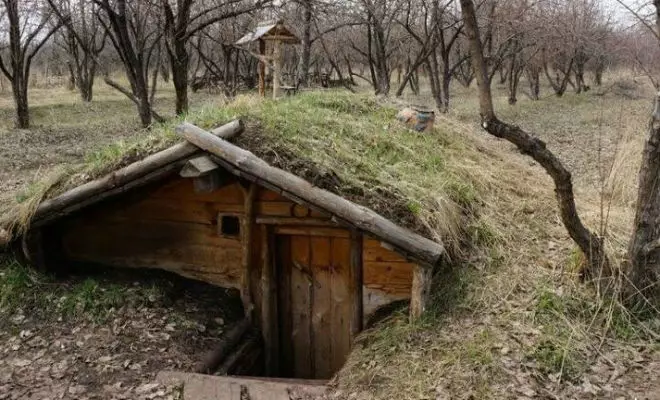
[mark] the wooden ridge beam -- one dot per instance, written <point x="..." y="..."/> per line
<point x="299" y="190"/>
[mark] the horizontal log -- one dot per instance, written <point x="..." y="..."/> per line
<point x="294" y="187"/>
<point x="132" y="172"/>
<point x="232" y="362"/>
<point x="218" y="355"/>
<point x="294" y="221"/>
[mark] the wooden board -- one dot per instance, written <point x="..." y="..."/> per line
<point x="341" y="301"/>
<point x="322" y="306"/>
<point x="317" y="314"/>
<point x="375" y="252"/>
<point x="301" y="304"/>
<point x="193" y="250"/>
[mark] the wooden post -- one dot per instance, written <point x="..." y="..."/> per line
<point x="269" y="312"/>
<point x="247" y="225"/>
<point x="262" y="69"/>
<point x="421" y="289"/>
<point x="356" y="283"/>
<point x="277" y="65"/>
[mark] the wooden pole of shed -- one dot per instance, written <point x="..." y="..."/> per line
<point x="421" y="290"/>
<point x="262" y="69"/>
<point x="356" y="283"/>
<point x="269" y="311"/>
<point x="247" y="226"/>
<point x="277" y="66"/>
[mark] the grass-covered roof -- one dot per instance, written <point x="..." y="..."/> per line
<point x="349" y="144"/>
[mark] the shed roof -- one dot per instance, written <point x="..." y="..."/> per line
<point x="246" y="165"/>
<point x="266" y="31"/>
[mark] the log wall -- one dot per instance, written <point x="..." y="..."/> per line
<point x="174" y="228"/>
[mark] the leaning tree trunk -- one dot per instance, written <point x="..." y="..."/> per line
<point x="644" y="250"/>
<point x="590" y="244"/>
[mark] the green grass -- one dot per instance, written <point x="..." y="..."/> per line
<point x="349" y="144"/>
<point x="24" y="289"/>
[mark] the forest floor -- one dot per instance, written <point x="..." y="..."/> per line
<point x="511" y="322"/>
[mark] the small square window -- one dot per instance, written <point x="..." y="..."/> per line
<point x="230" y="225"/>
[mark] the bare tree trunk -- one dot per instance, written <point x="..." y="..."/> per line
<point x="590" y="244"/>
<point x="72" y="77"/>
<point x="533" y="76"/>
<point x="19" y="89"/>
<point x="306" y="44"/>
<point x="644" y="250"/>
<point x="179" y="63"/>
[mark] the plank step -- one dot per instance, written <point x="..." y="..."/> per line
<point x="209" y="387"/>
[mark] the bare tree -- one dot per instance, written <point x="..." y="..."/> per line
<point x="133" y="29"/>
<point x="183" y="20"/>
<point x="588" y="242"/>
<point x="378" y="17"/>
<point x="84" y="39"/>
<point x="644" y="249"/>
<point x="30" y="26"/>
<point x="435" y="27"/>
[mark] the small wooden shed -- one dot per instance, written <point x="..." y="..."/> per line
<point x="270" y="36"/>
<point x="310" y="266"/>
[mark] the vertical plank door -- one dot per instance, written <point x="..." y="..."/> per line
<point x="315" y="305"/>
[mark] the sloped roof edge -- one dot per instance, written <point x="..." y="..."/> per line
<point x="246" y="165"/>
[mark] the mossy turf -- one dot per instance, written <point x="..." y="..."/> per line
<point x="349" y="144"/>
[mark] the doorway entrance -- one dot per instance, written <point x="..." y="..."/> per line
<point x="314" y="304"/>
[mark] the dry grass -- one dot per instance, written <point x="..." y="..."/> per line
<point x="510" y="321"/>
<point x="513" y="321"/>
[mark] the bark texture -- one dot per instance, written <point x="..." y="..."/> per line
<point x="644" y="250"/>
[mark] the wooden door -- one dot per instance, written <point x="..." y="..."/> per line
<point x="314" y="305"/>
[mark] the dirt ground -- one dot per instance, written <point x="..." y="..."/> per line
<point x="487" y="350"/>
<point x="110" y="350"/>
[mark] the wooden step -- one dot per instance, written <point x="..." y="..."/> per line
<point x="209" y="387"/>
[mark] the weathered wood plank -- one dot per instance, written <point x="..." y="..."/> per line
<point x="356" y="283"/>
<point x="247" y="226"/>
<point x="421" y="290"/>
<point x="269" y="309"/>
<point x="301" y="304"/>
<point x="284" y="266"/>
<point x="311" y="231"/>
<point x="162" y="209"/>
<point x="184" y="189"/>
<point x="374" y="251"/>
<point x="189" y="249"/>
<point x="295" y="221"/>
<point x="341" y="301"/>
<point x="321" y="269"/>
<point x="390" y="277"/>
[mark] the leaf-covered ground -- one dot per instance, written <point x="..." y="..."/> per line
<point x="510" y="322"/>
<point x="105" y="335"/>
